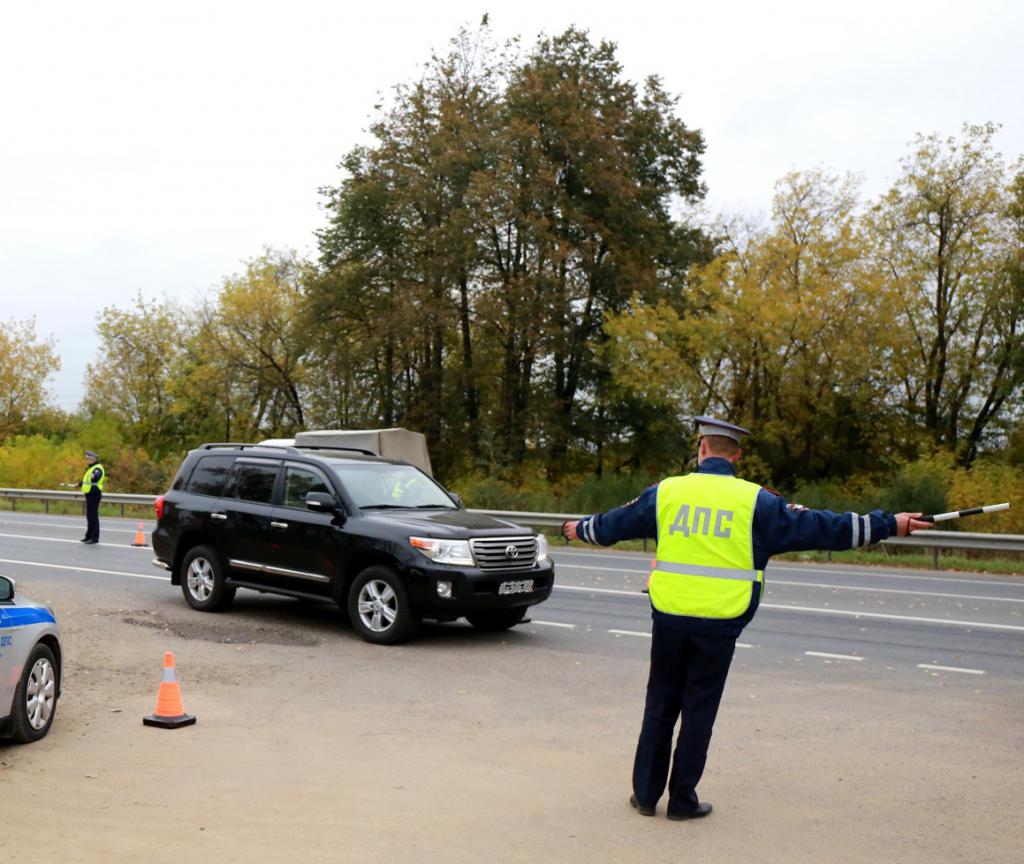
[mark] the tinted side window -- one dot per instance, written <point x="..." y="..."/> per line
<point x="298" y="482"/>
<point x="255" y="482"/>
<point x="209" y="475"/>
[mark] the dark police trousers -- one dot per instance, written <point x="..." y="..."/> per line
<point x="92" y="514"/>
<point x="688" y="672"/>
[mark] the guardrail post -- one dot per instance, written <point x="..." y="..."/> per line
<point x="935" y="557"/>
<point x="122" y="511"/>
<point x="46" y="505"/>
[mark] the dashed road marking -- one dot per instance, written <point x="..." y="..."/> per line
<point x="949" y="622"/>
<point x="630" y="633"/>
<point x="833" y="656"/>
<point x="849" y="613"/>
<point x="744" y="645"/>
<point x="933" y="667"/>
<point x="555" y="624"/>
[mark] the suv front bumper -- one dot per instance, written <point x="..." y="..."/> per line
<point x="474" y="590"/>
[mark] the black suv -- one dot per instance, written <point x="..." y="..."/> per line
<point x="376" y="536"/>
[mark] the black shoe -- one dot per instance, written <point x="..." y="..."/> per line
<point x="90" y="542"/>
<point x="636" y="805"/>
<point x="84" y="540"/>
<point x="702" y="810"/>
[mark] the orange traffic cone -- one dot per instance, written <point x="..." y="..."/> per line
<point x="140" y="538"/>
<point x="170" y="712"/>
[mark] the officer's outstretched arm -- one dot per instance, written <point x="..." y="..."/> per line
<point x="783" y="527"/>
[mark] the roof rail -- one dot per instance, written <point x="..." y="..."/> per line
<point x="287" y="448"/>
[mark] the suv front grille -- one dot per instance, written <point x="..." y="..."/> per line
<point x="492" y="553"/>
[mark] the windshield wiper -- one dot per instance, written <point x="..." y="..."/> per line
<point x="383" y="507"/>
<point x="434" y="507"/>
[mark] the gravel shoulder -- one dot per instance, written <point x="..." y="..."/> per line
<point x="312" y="745"/>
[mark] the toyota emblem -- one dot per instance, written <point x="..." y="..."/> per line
<point x="511" y="551"/>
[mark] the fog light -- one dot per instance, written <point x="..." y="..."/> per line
<point x="444" y="589"/>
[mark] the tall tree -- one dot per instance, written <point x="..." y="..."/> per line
<point x="251" y="347"/>
<point x="132" y="373"/>
<point x="944" y="233"/>
<point x="577" y="217"/>
<point x="26" y="361"/>
<point x="790" y="331"/>
<point x="399" y="254"/>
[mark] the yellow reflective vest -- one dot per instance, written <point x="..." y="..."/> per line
<point x="87" y="483"/>
<point x="705" y="563"/>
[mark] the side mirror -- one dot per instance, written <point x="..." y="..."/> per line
<point x="6" y="589"/>
<point x="456" y="497"/>
<point x="321" y="502"/>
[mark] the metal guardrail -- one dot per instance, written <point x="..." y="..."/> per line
<point x="933" y="540"/>
<point x="47" y="495"/>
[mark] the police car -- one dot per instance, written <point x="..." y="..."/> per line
<point x="30" y="665"/>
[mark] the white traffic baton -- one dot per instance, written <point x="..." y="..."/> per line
<point x="970" y="511"/>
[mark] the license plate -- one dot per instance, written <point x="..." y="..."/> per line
<point x="522" y="586"/>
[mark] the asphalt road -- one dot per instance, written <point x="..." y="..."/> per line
<point x="893" y="625"/>
<point x="869" y="716"/>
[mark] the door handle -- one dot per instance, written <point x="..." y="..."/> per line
<point x="221" y="516"/>
<point x="279" y="525"/>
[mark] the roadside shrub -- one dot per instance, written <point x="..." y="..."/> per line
<point x="990" y="483"/>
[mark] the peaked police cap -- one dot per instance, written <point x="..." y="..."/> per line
<point x="714" y="426"/>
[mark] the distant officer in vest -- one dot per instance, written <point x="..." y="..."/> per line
<point x="92" y="489"/>
<point x="715" y="534"/>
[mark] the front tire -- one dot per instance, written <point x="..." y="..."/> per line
<point x="202" y="580"/>
<point x="35" y="699"/>
<point x="502" y="619"/>
<point x="379" y="607"/>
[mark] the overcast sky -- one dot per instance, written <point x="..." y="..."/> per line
<point x="153" y="147"/>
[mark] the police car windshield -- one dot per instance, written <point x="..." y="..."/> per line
<point x="382" y="486"/>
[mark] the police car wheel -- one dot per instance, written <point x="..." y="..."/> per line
<point x="379" y="607"/>
<point x="501" y="619"/>
<point x="35" y="700"/>
<point x="202" y="580"/>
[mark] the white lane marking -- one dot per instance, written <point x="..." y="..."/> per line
<point x="849" y="613"/>
<point x="629" y="633"/>
<point x="84" y="569"/>
<point x="744" y="645"/>
<point x="770" y="581"/>
<point x="789" y="567"/>
<point x="66" y="525"/>
<point x="833" y="656"/>
<point x="554" y="624"/>
<point x="893" y="574"/>
<point x="62" y="540"/>
<point x="886" y="617"/>
<point x="950" y="669"/>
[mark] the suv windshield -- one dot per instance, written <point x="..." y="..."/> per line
<point x="381" y="485"/>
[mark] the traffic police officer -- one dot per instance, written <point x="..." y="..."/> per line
<point x="715" y="534"/>
<point x="92" y="488"/>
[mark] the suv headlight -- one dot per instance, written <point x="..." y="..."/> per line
<point x="542" y="548"/>
<point x="444" y="551"/>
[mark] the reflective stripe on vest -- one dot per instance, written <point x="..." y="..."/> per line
<point x="714" y="572"/>
<point x="705" y="564"/>
<point x="87" y="484"/>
